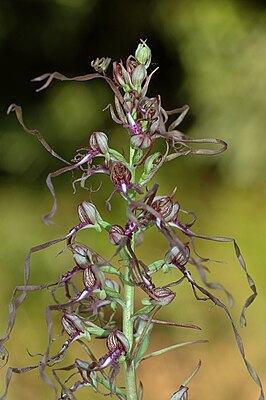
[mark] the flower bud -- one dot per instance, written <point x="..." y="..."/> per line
<point x="82" y="256"/>
<point x="99" y="142"/>
<point x="116" y="340"/>
<point x="113" y="285"/>
<point x="163" y="295"/>
<point x="131" y="65"/>
<point x="165" y="206"/>
<point x="72" y="324"/>
<point x="143" y="54"/>
<point x="116" y="234"/>
<point x="121" y="76"/>
<point x="93" y="278"/>
<point x="88" y="213"/>
<point x="177" y="256"/>
<point x="139" y="75"/>
<point x="89" y="278"/>
<point x="142" y="141"/>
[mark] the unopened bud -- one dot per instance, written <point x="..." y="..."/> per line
<point x="99" y="142"/>
<point x="116" y="234"/>
<point x="142" y="141"/>
<point x="88" y="213"/>
<point x="82" y="256"/>
<point x="89" y="278"/>
<point x="165" y="206"/>
<point x="121" y="76"/>
<point x="163" y="295"/>
<point x="116" y="340"/>
<point x="143" y="54"/>
<point x="93" y="278"/>
<point x="131" y="65"/>
<point x="113" y="285"/>
<point x="178" y="256"/>
<point x="72" y="324"/>
<point x="139" y="75"/>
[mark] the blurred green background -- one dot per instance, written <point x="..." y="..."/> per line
<point x="212" y="56"/>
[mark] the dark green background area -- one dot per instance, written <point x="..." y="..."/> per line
<point x="211" y="55"/>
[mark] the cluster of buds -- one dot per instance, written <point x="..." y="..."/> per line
<point x="131" y="77"/>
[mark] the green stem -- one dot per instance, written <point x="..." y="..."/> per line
<point x="128" y="311"/>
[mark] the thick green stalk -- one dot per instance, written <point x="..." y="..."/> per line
<point x="128" y="311"/>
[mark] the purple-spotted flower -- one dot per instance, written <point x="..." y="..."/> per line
<point x="178" y="257"/>
<point x="118" y="347"/>
<point x="99" y="142"/>
<point x="116" y="234"/>
<point x="89" y="217"/>
<point x="73" y="325"/>
<point x="121" y="175"/>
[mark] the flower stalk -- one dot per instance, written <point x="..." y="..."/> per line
<point x="129" y="299"/>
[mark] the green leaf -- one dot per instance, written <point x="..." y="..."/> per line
<point x="95" y="330"/>
<point x="143" y="348"/>
<point x="156" y="265"/>
<point x="175" y="346"/>
<point x="137" y="156"/>
<point x="109" y="269"/>
<point x="106" y="383"/>
<point x="112" y="293"/>
<point x="143" y="310"/>
<point x="145" y="301"/>
<point x="118" y="156"/>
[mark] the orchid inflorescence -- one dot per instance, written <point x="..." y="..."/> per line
<point x="92" y="311"/>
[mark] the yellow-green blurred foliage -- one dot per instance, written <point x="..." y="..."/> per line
<point x="212" y="56"/>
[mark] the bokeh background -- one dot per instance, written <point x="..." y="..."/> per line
<point x="211" y="56"/>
